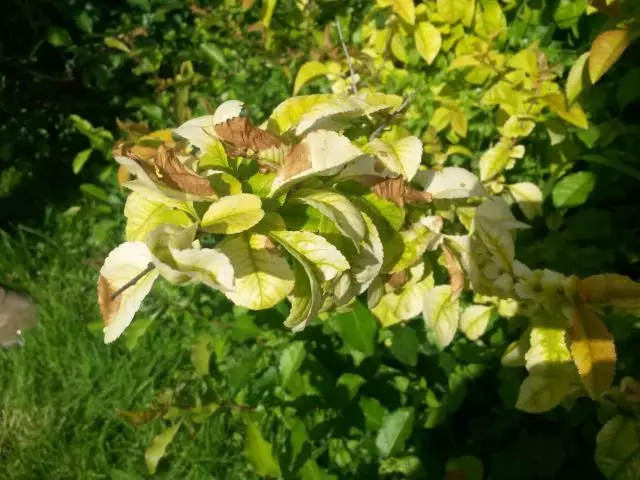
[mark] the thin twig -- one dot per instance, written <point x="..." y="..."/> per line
<point x="393" y="115"/>
<point x="132" y="282"/>
<point x="348" y="57"/>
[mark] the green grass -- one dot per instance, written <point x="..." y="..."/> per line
<point x="59" y="394"/>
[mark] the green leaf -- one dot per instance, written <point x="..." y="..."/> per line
<point x="628" y="91"/>
<point x="337" y="208"/>
<point x="428" y="41"/>
<point x="352" y="382"/>
<point x="612" y="160"/>
<point x="540" y="394"/>
<point x="405" y="346"/>
<point x="373" y="412"/>
<point x="402" y="156"/>
<point x="213" y="54"/>
<point x="59" y="37"/>
<point x="308" y="71"/>
<point x="145" y="214"/>
<point x="233" y="214"/>
<point x="84" y="22"/>
<point x="290" y="360"/>
<point x="201" y="355"/>
<point x="260" y="453"/>
<point x="384" y="209"/>
<point x="573" y="190"/>
<point x="95" y="192"/>
<point x="135" y="331"/>
<point x="474" y="320"/>
<point x="113" y="42"/>
<point x="618" y="448"/>
<point x="80" y="159"/>
<point x="578" y="78"/>
<point x="568" y="12"/>
<point x="606" y="49"/>
<point x="158" y="448"/>
<point x="263" y="277"/>
<point x="357" y="328"/>
<point x="396" y="429"/>
<point x="441" y="313"/>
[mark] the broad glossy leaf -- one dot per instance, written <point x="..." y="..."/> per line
<point x="402" y="156"/>
<point x="474" y="320"/>
<point x="549" y="354"/>
<point x="288" y="114"/>
<point x="416" y="240"/>
<point x="396" y="429"/>
<point x="490" y="19"/>
<point x="124" y="264"/>
<point x="575" y="115"/>
<point x="306" y="297"/>
<point x="206" y="265"/>
<point x="263" y="277"/>
<point x="577" y="79"/>
<point x="428" y="41"/>
<point x="316" y="249"/>
<point x="452" y="10"/>
<point x="540" y="394"/>
<point x="320" y="153"/>
<point x="606" y="49"/>
<point x="450" y="182"/>
<point x="618" y="448"/>
<point x="441" y="313"/>
<point x="357" y="328"/>
<point x="339" y="209"/>
<point x="405" y="9"/>
<point x="308" y="71"/>
<point x="80" y="159"/>
<point x="233" y="214"/>
<point x="573" y="190"/>
<point x="260" y="452"/>
<point x="290" y="361"/>
<point x="405" y="346"/>
<point x="404" y="305"/>
<point x="529" y="198"/>
<point x="144" y="214"/>
<point x="497" y="240"/>
<point x="593" y="351"/>
<point x="158" y="448"/>
<point x="494" y="161"/>
<point x="398" y="47"/>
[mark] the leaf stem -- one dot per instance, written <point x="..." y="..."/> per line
<point x="348" y="57"/>
<point x="393" y="115"/>
<point x="132" y="282"/>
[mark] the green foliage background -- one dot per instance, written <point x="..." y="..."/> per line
<point x="344" y="398"/>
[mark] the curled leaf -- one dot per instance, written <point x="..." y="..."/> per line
<point x="233" y="214"/>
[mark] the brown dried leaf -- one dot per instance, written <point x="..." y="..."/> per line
<point x="417" y="196"/>
<point x="108" y="306"/>
<point x="392" y="189"/>
<point x="123" y="175"/>
<point x="247" y="4"/>
<point x="456" y="273"/>
<point x="241" y="138"/>
<point x="175" y="175"/>
<point x="296" y="161"/>
<point x="398" y="279"/>
<point x="593" y="351"/>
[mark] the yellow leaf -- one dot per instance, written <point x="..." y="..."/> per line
<point x="490" y="20"/>
<point x="452" y="10"/>
<point x="308" y="72"/>
<point x="577" y="80"/>
<point x="463" y="61"/>
<point x="398" y="49"/>
<point x="405" y="9"/>
<point x="428" y="41"/>
<point x="440" y="119"/>
<point x="593" y="351"/>
<point x="610" y="289"/>
<point x="606" y="50"/>
<point x="575" y="115"/>
<point x="459" y="123"/>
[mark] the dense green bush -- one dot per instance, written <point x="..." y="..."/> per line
<point x="503" y="89"/>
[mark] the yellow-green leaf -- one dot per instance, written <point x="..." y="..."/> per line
<point x="308" y="72"/>
<point x="528" y="197"/>
<point x="514" y="355"/>
<point x="618" y="448"/>
<point x="339" y="209"/>
<point x="233" y="214"/>
<point x="158" y="448"/>
<point x="577" y="79"/>
<point x="398" y="47"/>
<point x="452" y="10"/>
<point x="490" y="20"/>
<point x="263" y="277"/>
<point x="494" y="161"/>
<point x="405" y="9"/>
<point x="402" y="156"/>
<point x="144" y="214"/>
<point x="474" y="320"/>
<point x="288" y="114"/>
<point x="574" y="115"/>
<point x="540" y="394"/>
<point x="606" y="49"/>
<point x="260" y="453"/>
<point x="441" y="313"/>
<point x="428" y="41"/>
<point x="548" y="355"/>
<point x="593" y="351"/>
<point x="395" y="307"/>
